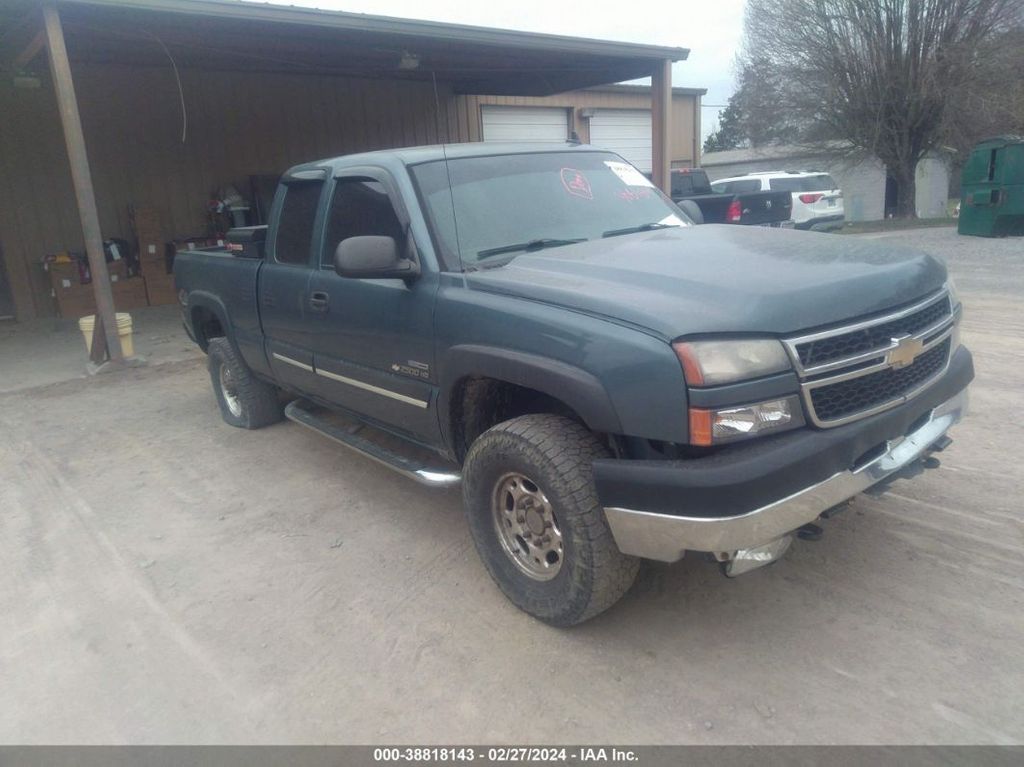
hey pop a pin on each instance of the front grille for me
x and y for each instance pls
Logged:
(839, 400)
(838, 347)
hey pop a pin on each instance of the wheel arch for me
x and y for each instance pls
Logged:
(580, 393)
(208, 318)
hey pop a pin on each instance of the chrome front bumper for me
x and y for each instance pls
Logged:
(667, 538)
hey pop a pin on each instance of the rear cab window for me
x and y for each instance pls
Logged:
(686, 182)
(294, 237)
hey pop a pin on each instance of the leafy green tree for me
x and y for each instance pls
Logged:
(729, 132)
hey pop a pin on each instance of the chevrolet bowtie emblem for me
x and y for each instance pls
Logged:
(905, 351)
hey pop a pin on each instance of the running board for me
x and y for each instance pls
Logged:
(416, 470)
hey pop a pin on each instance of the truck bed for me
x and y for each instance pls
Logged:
(229, 281)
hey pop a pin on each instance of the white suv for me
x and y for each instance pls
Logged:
(817, 202)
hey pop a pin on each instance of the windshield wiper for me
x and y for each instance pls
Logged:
(640, 228)
(539, 244)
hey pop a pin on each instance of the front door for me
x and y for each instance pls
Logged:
(372, 339)
(284, 284)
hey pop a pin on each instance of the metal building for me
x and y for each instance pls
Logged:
(108, 104)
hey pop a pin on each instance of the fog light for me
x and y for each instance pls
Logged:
(712, 427)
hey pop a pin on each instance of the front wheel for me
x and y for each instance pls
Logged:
(536, 521)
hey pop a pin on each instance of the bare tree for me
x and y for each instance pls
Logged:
(891, 77)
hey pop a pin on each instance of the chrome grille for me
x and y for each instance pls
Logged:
(854, 395)
(859, 341)
(857, 370)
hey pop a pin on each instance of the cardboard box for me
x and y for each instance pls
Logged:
(130, 294)
(76, 300)
(64, 275)
(160, 290)
(149, 237)
(153, 265)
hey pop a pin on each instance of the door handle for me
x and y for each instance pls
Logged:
(319, 301)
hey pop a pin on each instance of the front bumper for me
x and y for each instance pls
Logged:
(801, 475)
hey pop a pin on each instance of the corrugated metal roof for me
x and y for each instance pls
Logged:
(227, 34)
(290, 14)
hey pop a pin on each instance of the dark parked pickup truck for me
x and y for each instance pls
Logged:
(608, 381)
(691, 185)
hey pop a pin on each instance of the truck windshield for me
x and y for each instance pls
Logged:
(508, 205)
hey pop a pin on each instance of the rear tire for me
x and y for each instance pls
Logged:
(536, 521)
(245, 401)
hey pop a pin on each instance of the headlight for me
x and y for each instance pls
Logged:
(956, 306)
(713, 427)
(709, 363)
(954, 294)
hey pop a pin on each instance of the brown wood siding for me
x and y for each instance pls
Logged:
(238, 124)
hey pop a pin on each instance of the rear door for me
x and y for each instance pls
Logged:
(284, 280)
(372, 339)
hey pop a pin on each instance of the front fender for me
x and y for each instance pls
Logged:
(577, 388)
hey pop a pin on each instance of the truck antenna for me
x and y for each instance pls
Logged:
(447, 170)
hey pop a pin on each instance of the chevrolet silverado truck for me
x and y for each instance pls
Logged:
(607, 381)
(751, 207)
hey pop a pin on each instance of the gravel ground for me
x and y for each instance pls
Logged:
(170, 579)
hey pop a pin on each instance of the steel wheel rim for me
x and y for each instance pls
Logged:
(527, 526)
(229, 389)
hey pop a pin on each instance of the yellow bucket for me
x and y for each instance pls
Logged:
(124, 331)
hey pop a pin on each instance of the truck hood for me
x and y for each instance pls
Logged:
(720, 279)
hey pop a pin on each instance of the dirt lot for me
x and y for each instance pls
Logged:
(169, 579)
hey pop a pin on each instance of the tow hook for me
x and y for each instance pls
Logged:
(829, 513)
(809, 532)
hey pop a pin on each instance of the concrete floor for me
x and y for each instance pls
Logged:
(169, 579)
(53, 350)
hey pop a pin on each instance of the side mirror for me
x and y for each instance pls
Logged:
(372, 258)
(692, 211)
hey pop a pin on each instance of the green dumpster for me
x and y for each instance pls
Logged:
(992, 189)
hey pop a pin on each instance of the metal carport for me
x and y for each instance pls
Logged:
(390, 82)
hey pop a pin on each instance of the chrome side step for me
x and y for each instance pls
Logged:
(418, 470)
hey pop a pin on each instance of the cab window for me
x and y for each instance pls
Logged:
(295, 224)
(359, 208)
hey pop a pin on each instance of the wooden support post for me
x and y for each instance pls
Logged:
(98, 347)
(60, 68)
(661, 109)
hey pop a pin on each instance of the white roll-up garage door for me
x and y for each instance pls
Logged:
(536, 125)
(626, 131)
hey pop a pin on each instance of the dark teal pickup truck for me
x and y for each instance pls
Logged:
(607, 380)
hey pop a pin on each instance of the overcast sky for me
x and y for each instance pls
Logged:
(711, 29)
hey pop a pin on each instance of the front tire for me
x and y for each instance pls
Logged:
(245, 401)
(536, 521)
